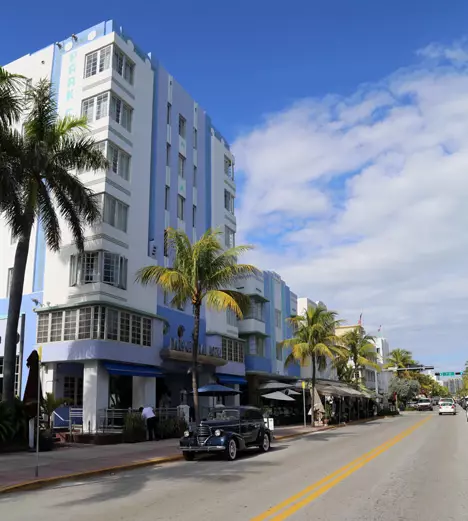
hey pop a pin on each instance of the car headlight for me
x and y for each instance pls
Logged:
(186, 434)
(218, 432)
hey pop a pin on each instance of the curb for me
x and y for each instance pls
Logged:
(43, 482)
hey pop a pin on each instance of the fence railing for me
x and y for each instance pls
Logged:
(113, 420)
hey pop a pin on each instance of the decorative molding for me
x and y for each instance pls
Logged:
(96, 293)
(96, 83)
(127, 92)
(230, 183)
(118, 187)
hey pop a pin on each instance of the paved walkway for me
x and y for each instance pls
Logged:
(19, 467)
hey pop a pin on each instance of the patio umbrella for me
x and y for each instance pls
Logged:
(292, 392)
(277, 395)
(30, 393)
(274, 386)
(217, 390)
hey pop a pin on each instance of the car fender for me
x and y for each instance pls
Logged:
(239, 439)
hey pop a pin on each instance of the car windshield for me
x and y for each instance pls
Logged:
(446, 402)
(224, 414)
(424, 401)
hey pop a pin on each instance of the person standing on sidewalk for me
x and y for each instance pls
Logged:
(148, 415)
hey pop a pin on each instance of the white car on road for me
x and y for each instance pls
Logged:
(447, 406)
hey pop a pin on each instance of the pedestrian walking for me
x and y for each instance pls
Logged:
(148, 415)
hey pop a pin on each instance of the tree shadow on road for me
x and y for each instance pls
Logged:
(208, 469)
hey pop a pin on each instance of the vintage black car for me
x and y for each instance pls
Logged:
(227, 430)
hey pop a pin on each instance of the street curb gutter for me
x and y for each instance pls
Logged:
(43, 482)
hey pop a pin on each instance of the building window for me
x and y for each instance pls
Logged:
(98, 266)
(232, 350)
(56, 324)
(95, 108)
(168, 154)
(231, 317)
(69, 330)
(181, 166)
(279, 351)
(121, 113)
(195, 138)
(182, 126)
(43, 328)
(166, 244)
(169, 114)
(229, 237)
(97, 61)
(228, 201)
(255, 310)
(260, 346)
(115, 212)
(180, 207)
(17, 370)
(9, 281)
(194, 216)
(123, 65)
(277, 318)
(228, 167)
(194, 175)
(119, 161)
(167, 197)
(98, 322)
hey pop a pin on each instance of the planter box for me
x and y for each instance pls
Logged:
(97, 439)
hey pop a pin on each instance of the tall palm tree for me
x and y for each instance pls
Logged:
(41, 160)
(314, 341)
(200, 272)
(360, 350)
(399, 359)
(11, 103)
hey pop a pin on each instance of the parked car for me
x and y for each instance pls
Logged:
(435, 400)
(228, 431)
(412, 405)
(447, 406)
(424, 404)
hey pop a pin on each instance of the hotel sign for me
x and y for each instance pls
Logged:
(176, 344)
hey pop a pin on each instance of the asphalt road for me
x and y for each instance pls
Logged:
(413, 468)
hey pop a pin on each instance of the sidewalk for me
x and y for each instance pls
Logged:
(73, 461)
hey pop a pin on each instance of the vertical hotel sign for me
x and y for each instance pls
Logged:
(68, 86)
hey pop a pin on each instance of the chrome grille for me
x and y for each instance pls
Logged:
(203, 433)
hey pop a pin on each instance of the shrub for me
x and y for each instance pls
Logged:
(7, 423)
(134, 428)
(171, 428)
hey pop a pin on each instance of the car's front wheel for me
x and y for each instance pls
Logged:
(231, 451)
(188, 456)
(265, 445)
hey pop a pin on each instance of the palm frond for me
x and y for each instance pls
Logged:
(220, 300)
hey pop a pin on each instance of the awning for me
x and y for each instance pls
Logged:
(133, 370)
(277, 395)
(231, 379)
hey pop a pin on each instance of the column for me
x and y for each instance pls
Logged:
(95, 394)
(49, 378)
(144, 391)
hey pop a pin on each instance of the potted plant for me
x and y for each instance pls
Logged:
(134, 428)
(327, 414)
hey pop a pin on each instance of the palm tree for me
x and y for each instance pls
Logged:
(41, 161)
(50, 404)
(11, 102)
(315, 340)
(399, 359)
(344, 371)
(202, 271)
(360, 350)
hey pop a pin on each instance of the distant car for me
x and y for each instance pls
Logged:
(424, 404)
(435, 400)
(227, 430)
(412, 405)
(447, 406)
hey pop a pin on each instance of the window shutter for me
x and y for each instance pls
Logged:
(73, 270)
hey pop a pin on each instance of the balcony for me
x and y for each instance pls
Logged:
(257, 364)
(251, 325)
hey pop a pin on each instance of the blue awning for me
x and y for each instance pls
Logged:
(133, 370)
(231, 379)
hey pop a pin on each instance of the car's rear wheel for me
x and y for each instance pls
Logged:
(188, 456)
(231, 451)
(440, 414)
(265, 445)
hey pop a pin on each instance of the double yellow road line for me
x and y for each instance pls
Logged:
(290, 506)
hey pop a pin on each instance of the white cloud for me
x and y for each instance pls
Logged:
(362, 202)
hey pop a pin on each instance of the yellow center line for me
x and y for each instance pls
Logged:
(318, 488)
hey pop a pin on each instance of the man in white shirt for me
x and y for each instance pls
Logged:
(147, 414)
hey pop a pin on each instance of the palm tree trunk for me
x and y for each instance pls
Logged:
(14, 309)
(356, 373)
(312, 394)
(196, 334)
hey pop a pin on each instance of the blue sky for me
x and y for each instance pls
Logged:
(347, 192)
(245, 58)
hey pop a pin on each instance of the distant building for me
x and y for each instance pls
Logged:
(453, 385)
